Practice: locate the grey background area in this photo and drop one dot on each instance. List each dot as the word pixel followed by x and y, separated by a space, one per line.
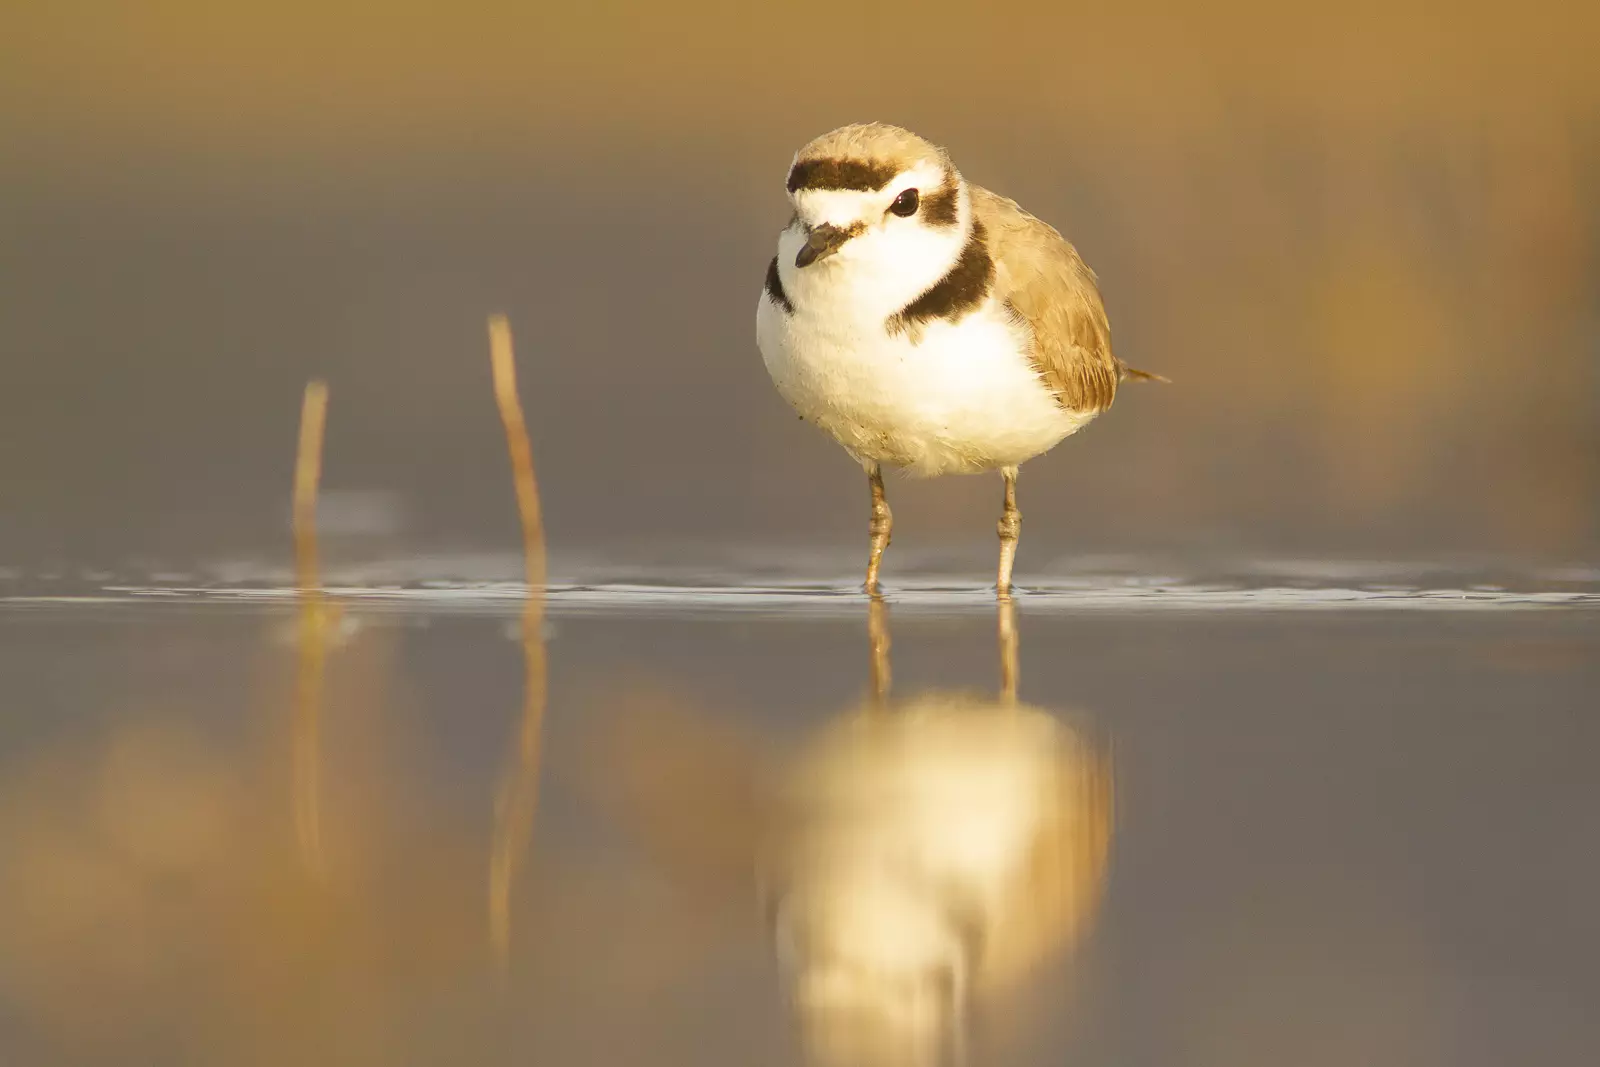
pixel 1375 294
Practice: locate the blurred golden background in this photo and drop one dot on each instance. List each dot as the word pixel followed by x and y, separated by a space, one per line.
pixel 1360 239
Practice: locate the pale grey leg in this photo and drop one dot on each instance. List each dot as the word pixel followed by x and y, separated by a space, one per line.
pixel 1010 527
pixel 882 523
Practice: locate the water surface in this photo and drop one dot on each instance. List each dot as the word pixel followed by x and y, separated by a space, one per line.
pixel 1354 819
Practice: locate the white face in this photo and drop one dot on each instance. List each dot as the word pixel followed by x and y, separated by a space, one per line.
pixel 899 256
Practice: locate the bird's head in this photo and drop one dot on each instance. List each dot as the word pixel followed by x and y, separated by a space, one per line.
pixel 879 199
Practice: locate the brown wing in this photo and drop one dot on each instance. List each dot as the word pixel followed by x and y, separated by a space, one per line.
pixel 1047 285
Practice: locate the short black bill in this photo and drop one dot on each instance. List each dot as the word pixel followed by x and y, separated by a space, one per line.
pixel 823 241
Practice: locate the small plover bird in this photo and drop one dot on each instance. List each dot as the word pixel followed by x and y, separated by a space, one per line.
pixel 927 323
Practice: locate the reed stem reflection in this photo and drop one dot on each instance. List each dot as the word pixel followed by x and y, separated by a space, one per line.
pixel 316 624
pixel 518 800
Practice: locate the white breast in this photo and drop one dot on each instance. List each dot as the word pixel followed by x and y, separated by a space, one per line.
pixel 950 398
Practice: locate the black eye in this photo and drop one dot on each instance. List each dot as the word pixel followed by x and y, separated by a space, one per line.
pixel 905 205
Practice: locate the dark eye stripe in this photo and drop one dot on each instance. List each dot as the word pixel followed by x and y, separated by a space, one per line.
pixel 942 207
pixel 857 174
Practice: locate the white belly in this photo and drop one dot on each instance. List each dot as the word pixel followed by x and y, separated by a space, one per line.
pixel 963 398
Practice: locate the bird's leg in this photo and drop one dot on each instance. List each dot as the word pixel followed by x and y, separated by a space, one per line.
pixel 1010 526
pixel 882 523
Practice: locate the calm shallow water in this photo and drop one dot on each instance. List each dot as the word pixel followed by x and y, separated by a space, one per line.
pixel 1354 820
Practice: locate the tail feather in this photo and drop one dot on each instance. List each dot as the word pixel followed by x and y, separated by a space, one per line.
pixel 1142 375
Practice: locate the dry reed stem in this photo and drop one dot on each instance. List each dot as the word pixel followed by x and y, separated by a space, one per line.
pixel 314 619
pixel 517 803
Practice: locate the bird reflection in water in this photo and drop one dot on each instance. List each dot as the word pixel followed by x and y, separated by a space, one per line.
pixel 916 860
pixel 930 852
